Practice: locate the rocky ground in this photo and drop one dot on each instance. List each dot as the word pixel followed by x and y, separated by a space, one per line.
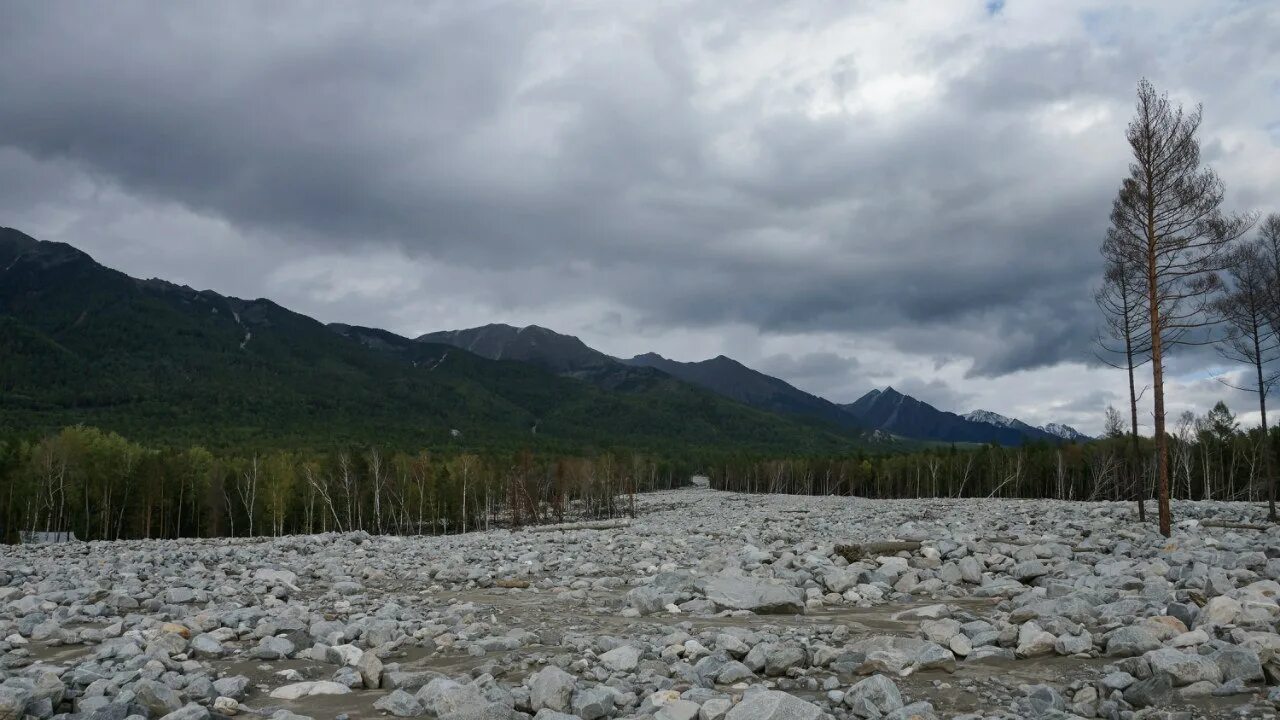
pixel 709 606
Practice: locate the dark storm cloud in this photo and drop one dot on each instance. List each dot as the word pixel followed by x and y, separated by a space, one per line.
pixel 594 149
pixel 817 370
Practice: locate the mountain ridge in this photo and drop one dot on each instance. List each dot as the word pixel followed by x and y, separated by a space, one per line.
pixel 163 362
pixel 902 415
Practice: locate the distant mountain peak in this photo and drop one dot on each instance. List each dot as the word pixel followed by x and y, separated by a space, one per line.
pixel 987 416
pixel 905 416
pixel 1066 432
pixel 531 343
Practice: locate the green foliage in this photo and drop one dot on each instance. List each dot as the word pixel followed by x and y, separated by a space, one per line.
pixel 99 485
pixel 171 366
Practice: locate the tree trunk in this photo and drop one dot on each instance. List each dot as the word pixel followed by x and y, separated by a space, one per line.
pixel 1266 444
pixel 1157 381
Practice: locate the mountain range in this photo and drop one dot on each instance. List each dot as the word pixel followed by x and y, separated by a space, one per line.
pixel 164 363
pixel 156 360
pixel 887 411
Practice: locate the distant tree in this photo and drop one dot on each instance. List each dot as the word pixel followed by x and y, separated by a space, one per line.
pixel 1113 426
pixel 1251 337
pixel 1167 222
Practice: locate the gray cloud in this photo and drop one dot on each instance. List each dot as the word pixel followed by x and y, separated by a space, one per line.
pixel 654 171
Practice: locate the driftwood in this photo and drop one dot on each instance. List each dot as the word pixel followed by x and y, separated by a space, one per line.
pixel 860 551
pixel 586 525
pixel 1232 525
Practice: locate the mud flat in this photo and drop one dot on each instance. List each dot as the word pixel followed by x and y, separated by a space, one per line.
pixel 707 605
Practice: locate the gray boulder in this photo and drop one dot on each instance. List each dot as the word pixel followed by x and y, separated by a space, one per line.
pixel 190 711
pixel 551 688
pixel 159 699
pixel 272 648
pixel 873 697
pixel 773 705
pixel 1155 690
pixel 593 703
pixel 233 687
pixel 1183 668
pixel 624 658
pixel 759 596
pixel 1130 641
pixel 400 704
pixel 13 702
pixel 781 658
pixel 1238 663
pixel 443 696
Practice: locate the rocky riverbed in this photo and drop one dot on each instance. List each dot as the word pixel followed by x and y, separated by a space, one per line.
pixel 708 606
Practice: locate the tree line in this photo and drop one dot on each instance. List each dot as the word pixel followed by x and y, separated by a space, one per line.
pixel 1213 458
pixel 99 485
pixel 1180 270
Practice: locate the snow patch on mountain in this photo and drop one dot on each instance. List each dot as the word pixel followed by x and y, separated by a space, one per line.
pixel 1059 430
pixel 991 418
pixel 1065 432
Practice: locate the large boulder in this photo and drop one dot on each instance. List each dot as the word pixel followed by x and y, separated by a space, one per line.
pixel 873 697
pixel 1183 668
pixel 1221 610
pixel 1130 641
pixel 773 705
pixel 400 704
pixel 13 702
pixel 623 658
pixel 159 699
pixel 1238 663
pixel 443 696
pixel 309 688
pixel 551 688
pixel 759 596
pixel 190 711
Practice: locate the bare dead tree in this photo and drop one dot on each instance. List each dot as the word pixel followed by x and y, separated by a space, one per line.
pixel 1121 300
pixel 1268 244
pixel 1168 222
pixel 247 489
pixel 1185 436
pixel 1250 337
pixel 379 480
pixel 320 486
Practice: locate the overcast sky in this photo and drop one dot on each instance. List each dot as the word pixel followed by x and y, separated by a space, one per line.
pixel 845 194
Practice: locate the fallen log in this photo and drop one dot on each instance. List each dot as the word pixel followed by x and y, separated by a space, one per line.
pixel 861 551
pixel 585 525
